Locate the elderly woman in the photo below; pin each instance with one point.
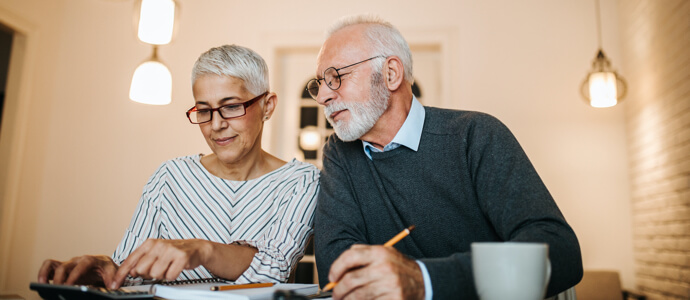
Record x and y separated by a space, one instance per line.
239 213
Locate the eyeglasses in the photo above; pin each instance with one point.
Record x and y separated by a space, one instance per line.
331 77
198 116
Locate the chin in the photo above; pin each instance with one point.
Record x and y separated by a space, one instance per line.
227 153
347 135
228 158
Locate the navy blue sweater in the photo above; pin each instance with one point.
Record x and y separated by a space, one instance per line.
469 181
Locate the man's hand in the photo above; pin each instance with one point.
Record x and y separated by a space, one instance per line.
370 272
87 269
163 259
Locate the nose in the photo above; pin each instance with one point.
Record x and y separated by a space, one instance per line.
217 122
325 94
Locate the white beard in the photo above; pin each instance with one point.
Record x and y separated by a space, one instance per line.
363 115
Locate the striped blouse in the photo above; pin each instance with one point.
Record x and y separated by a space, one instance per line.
273 213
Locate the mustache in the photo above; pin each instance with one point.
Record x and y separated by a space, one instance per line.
333 107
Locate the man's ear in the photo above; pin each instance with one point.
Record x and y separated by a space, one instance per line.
269 105
393 73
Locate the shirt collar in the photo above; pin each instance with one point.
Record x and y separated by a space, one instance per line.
410 132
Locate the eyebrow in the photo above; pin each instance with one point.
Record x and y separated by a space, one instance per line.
222 101
343 65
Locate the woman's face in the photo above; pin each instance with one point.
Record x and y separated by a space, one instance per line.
231 139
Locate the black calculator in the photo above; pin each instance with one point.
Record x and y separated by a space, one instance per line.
85 292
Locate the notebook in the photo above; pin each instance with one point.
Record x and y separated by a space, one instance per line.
203 291
178 290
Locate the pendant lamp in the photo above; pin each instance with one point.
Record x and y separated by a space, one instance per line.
152 81
602 87
156 21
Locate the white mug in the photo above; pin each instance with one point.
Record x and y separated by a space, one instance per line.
510 270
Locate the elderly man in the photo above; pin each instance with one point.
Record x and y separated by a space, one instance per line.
459 176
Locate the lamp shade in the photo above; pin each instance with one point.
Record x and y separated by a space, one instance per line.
602 89
151 84
156 21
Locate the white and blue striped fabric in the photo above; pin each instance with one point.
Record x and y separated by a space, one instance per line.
274 213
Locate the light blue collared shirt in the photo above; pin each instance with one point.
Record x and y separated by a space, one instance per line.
409 136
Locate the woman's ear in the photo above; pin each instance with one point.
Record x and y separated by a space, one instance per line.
269 105
393 73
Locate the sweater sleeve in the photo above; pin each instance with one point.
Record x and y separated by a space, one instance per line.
517 204
338 221
283 244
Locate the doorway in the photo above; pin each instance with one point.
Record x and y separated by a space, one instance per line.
6 37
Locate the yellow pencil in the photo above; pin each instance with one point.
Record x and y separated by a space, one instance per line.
241 286
390 243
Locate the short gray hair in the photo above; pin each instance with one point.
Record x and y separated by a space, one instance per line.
383 37
236 61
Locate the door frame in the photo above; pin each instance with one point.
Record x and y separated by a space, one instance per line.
14 127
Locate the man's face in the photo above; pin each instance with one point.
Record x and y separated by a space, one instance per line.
355 107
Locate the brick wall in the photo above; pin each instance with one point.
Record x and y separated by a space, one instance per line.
655 40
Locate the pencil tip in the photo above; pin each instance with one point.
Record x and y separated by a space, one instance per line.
410 228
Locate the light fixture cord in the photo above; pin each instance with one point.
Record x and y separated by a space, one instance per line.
154 55
598 22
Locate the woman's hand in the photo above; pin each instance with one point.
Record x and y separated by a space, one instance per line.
163 259
87 269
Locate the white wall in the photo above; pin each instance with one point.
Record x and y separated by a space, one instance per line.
87 150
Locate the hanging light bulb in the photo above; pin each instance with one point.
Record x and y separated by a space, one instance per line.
156 21
309 138
151 82
602 87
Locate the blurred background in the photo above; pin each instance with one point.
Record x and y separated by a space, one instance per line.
75 151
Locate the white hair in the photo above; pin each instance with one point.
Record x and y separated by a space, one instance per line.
383 37
236 61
